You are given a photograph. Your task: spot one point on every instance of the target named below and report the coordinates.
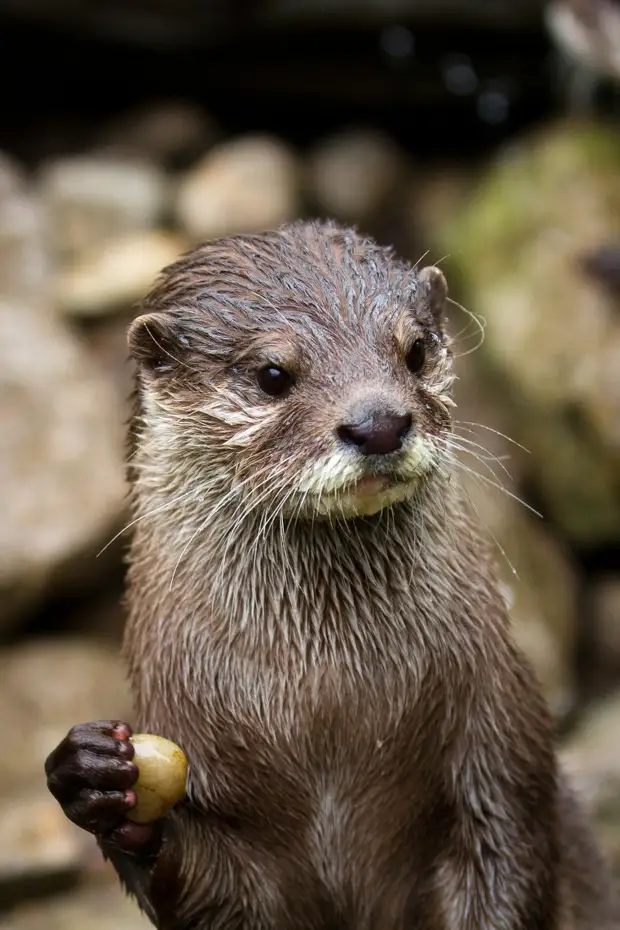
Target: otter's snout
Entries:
(379, 433)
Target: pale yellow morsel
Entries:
(162, 779)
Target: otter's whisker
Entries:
(479, 320)
(198, 530)
(492, 430)
(151, 513)
(282, 525)
(301, 503)
(251, 505)
(247, 505)
(470, 471)
(269, 519)
(484, 454)
(421, 259)
(449, 445)
(465, 333)
(472, 432)
(221, 505)
(471, 449)
(484, 523)
(239, 486)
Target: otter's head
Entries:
(304, 372)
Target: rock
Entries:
(24, 262)
(352, 175)
(117, 273)
(100, 615)
(247, 184)
(431, 199)
(41, 849)
(606, 598)
(587, 38)
(592, 759)
(92, 199)
(541, 590)
(171, 133)
(47, 686)
(62, 484)
(552, 337)
(603, 612)
(106, 339)
(538, 578)
(90, 909)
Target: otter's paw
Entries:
(91, 774)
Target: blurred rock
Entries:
(116, 274)
(172, 133)
(606, 598)
(602, 266)
(90, 909)
(62, 487)
(105, 618)
(352, 175)
(41, 849)
(604, 629)
(479, 419)
(587, 38)
(538, 578)
(248, 184)
(106, 339)
(432, 198)
(552, 337)
(46, 686)
(541, 592)
(24, 262)
(94, 198)
(592, 760)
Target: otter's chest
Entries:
(311, 742)
(320, 785)
(323, 791)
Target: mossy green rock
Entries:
(536, 572)
(552, 340)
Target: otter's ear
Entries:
(434, 293)
(154, 343)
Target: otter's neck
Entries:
(298, 591)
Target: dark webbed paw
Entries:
(91, 774)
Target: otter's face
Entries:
(304, 375)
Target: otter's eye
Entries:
(416, 356)
(274, 381)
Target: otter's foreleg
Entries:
(91, 774)
(501, 867)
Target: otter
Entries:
(315, 618)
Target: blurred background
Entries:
(484, 133)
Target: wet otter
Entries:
(315, 619)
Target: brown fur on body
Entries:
(367, 749)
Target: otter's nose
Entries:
(378, 434)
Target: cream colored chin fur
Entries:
(327, 487)
(353, 504)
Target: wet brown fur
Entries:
(368, 750)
